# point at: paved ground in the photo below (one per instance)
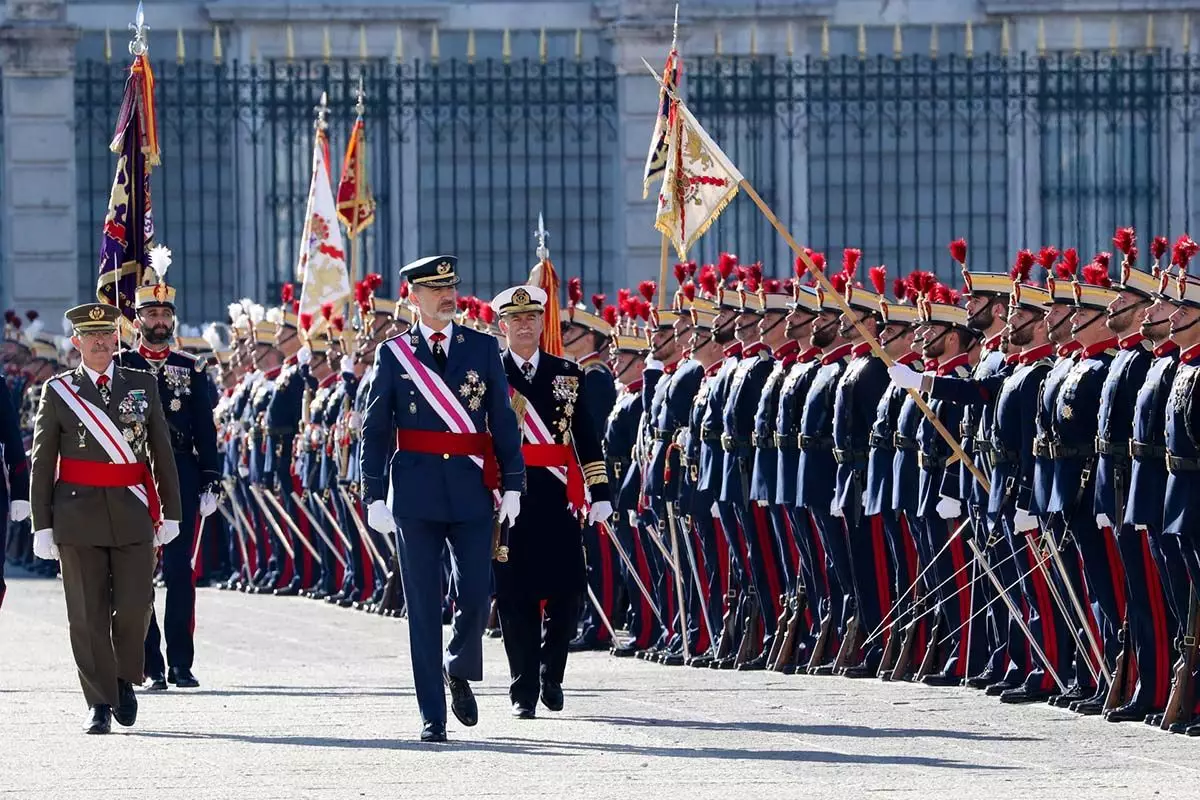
(304, 700)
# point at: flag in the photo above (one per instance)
(656, 159)
(545, 278)
(355, 205)
(128, 230)
(698, 183)
(321, 267)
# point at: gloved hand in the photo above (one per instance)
(834, 509)
(1102, 521)
(303, 356)
(949, 508)
(632, 518)
(510, 507)
(600, 512)
(208, 504)
(19, 510)
(167, 532)
(44, 546)
(380, 518)
(1024, 521)
(244, 470)
(904, 377)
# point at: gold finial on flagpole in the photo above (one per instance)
(138, 45)
(542, 49)
(471, 46)
(326, 47)
(180, 52)
(897, 43)
(289, 45)
(435, 46)
(362, 42)
(506, 47)
(790, 46)
(1112, 36)
(933, 41)
(398, 48)
(862, 41)
(970, 41)
(1005, 40)
(107, 45)
(579, 44)
(825, 40)
(1041, 38)
(1078, 36)
(1149, 32)
(218, 49)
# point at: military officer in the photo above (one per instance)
(14, 490)
(186, 393)
(436, 393)
(104, 492)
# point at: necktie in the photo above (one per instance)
(527, 368)
(439, 354)
(102, 386)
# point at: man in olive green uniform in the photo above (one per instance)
(102, 462)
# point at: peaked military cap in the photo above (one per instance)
(158, 293)
(93, 318)
(519, 299)
(434, 272)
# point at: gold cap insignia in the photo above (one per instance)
(443, 267)
(96, 313)
(520, 297)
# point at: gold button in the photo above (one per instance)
(446, 456)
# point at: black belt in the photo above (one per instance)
(930, 461)
(1179, 464)
(1062, 451)
(815, 442)
(663, 436)
(1003, 455)
(849, 456)
(1041, 446)
(764, 441)
(707, 436)
(731, 443)
(1147, 451)
(903, 442)
(281, 431)
(884, 440)
(1107, 447)
(786, 441)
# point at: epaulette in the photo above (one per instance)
(133, 369)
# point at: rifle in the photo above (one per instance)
(781, 625)
(785, 659)
(1181, 699)
(826, 632)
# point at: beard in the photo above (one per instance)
(157, 334)
(1022, 336)
(823, 337)
(983, 320)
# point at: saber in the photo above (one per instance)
(291, 523)
(691, 554)
(196, 546)
(241, 537)
(370, 545)
(271, 523)
(1066, 614)
(1083, 617)
(362, 527)
(683, 622)
(1016, 614)
(235, 504)
(633, 573)
(596, 604)
(320, 531)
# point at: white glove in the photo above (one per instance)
(835, 510)
(208, 504)
(303, 356)
(1024, 521)
(632, 518)
(904, 377)
(167, 532)
(355, 421)
(600, 512)
(1102, 521)
(949, 508)
(510, 507)
(380, 518)
(44, 546)
(19, 510)
(243, 470)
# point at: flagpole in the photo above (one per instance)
(360, 167)
(662, 273)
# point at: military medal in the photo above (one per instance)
(82, 436)
(412, 408)
(175, 404)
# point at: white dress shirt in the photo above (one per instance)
(95, 376)
(520, 362)
(427, 332)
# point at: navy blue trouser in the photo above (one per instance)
(179, 616)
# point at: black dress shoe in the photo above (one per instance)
(671, 659)
(1074, 694)
(158, 683)
(433, 732)
(99, 720)
(982, 680)
(291, 590)
(1088, 708)
(126, 711)
(1022, 694)
(998, 688)
(581, 645)
(753, 665)
(346, 602)
(1154, 720)
(462, 700)
(941, 679)
(552, 695)
(624, 651)
(183, 678)
(700, 662)
(860, 671)
(824, 669)
(523, 711)
(1130, 712)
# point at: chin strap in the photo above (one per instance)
(1190, 325)
(1088, 324)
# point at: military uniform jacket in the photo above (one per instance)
(934, 479)
(284, 414)
(94, 515)
(546, 541)
(816, 469)
(1043, 462)
(1148, 477)
(764, 477)
(976, 426)
(600, 388)
(1181, 509)
(857, 398)
(620, 434)
(792, 392)
(712, 455)
(442, 488)
(354, 426)
(654, 438)
(671, 421)
(877, 495)
(254, 422)
(690, 498)
(186, 393)
(1075, 425)
(1118, 398)
(746, 387)
(16, 465)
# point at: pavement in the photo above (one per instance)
(303, 700)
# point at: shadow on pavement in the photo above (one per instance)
(856, 731)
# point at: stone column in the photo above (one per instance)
(39, 254)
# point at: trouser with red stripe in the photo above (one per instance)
(834, 559)
(1105, 577)
(763, 556)
(711, 557)
(1043, 618)
(1072, 563)
(741, 527)
(641, 622)
(179, 616)
(1172, 570)
(1151, 622)
(652, 532)
(995, 623)
(813, 570)
(602, 577)
(902, 556)
(871, 577)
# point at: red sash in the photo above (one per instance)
(446, 443)
(98, 473)
(561, 456)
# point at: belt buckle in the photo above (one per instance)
(1189, 641)
(726, 442)
(694, 471)
(778, 440)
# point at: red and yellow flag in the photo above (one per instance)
(355, 205)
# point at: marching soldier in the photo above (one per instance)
(436, 392)
(15, 488)
(538, 587)
(104, 493)
(186, 393)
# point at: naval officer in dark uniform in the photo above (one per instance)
(441, 394)
(538, 588)
(186, 394)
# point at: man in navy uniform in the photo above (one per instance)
(186, 394)
(441, 394)
(14, 490)
(538, 588)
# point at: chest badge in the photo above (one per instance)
(472, 390)
(175, 404)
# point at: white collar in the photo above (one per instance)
(95, 376)
(427, 332)
(520, 362)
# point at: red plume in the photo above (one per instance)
(1046, 257)
(958, 251)
(610, 315)
(473, 308)
(754, 272)
(771, 285)
(1097, 275)
(338, 322)
(1066, 269)
(487, 313)
(899, 288)
(689, 290)
(306, 320)
(327, 310)
(839, 282)
(725, 265)
(404, 290)
(1022, 266)
(464, 302)
(1103, 259)
(374, 281)
(574, 291)
(788, 287)
(295, 306)
(598, 301)
(1183, 252)
(643, 310)
(850, 259)
(288, 293)
(707, 278)
(362, 293)
(647, 289)
(1124, 239)
(921, 282)
(878, 277)
(691, 268)
(1158, 247)
(680, 272)
(623, 296)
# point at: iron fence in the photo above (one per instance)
(462, 156)
(900, 155)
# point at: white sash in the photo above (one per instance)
(537, 432)
(102, 428)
